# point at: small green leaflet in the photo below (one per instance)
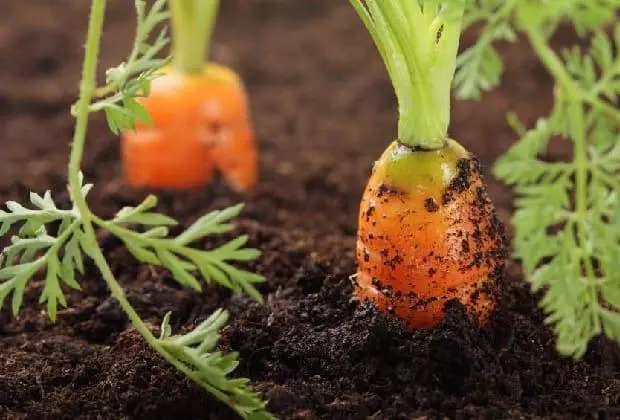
(598, 71)
(19, 263)
(132, 78)
(479, 68)
(178, 256)
(210, 368)
(211, 223)
(141, 216)
(121, 118)
(32, 220)
(33, 250)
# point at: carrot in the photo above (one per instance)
(199, 113)
(428, 232)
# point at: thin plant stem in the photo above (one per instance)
(87, 86)
(87, 90)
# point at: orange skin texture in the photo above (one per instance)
(428, 234)
(201, 123)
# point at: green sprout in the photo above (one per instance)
(567, 222)
(193, 22)
(418, 42)
(57, 241)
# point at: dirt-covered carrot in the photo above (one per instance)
(428, 232)
(199, 112)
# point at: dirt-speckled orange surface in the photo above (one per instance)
(201, 122)
(427, 234)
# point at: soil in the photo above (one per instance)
(324, 110)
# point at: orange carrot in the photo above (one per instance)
(199, 113)
(428, 232)
(200, 122)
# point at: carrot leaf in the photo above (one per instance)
(210, 368)
(155, 246)
(33, 249)
(567, 218)
(132, 78)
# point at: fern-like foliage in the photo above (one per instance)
(480, 68)
(61, 258)
(567, 223)
(33, 250)
(155, 246)
(584, 15)
(196, 354)
(598, 71)
(132, 78)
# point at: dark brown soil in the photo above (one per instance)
(324, 110)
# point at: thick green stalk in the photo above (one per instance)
(192, 27)
(418, 44)
(425, 123)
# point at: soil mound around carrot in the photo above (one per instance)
(324, 110)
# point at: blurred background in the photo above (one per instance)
(321, 101)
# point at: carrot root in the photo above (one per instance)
(428, 233)
(201, 123)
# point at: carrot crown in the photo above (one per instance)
(418, 41)
(192, 27)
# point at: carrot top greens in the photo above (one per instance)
(58, 241)
(418, 41)
(567, 222)
(192, 26)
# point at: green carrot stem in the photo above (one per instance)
(192, 28)
(87, 88)
(418, 41)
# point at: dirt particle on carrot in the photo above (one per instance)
(431, 205)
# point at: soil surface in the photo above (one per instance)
(324, 110)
